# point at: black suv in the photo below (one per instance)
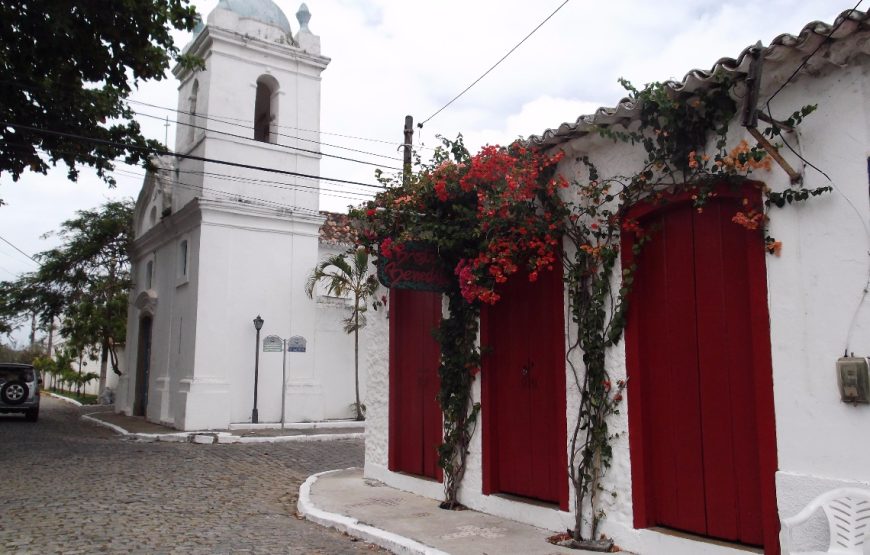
(19, 389)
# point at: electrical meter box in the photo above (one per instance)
(853, 377)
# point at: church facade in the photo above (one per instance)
(220, 241)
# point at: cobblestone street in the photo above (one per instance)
(67, 486)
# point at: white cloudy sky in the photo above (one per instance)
(396, 57)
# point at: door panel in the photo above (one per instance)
(692, 357)
(415, 416)
(670, 340)
(524, 390)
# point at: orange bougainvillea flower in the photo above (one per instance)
(773, 247)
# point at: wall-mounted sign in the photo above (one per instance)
(272, 344)
(296, 344)
(416, 266)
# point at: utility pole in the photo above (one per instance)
(409, 139)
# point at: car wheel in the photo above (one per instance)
(31, 415)
(14, 393)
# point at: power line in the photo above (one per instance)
(789, 80)
(5, 240)
(276, 144)
(230, 195)
(226, 120)
(791, 77)
(244, 126)
(185, 156)
(495, 65)
(261, 182)
(229, 119)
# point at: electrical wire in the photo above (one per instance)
(229, 119)
(495, 65)
(231, 195)
(184, 156)
(5, 240)
(790, 78)
(358, 196)
(244, 126)
(228, 134)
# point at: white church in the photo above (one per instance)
(218, 246)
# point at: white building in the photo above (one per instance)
(217, 245)
(788, 436)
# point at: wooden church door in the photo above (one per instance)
(523, 390)
(415, 415)
(700, 389)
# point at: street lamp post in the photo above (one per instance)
(258, 324)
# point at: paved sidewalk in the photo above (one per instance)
(406, 523)
(141, 429)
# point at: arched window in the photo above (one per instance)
(266, 109)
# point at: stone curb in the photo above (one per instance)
(284, 439)
(326, 425)
(222, 438)
(62, 398)
(353, 527)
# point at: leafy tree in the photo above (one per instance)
(69, 67)
(348, 274)
(84, 282)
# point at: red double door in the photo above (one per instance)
(523, 391)
(415, 415)
(700, 389)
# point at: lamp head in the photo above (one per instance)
(258, 322)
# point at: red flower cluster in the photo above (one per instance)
(496, 211)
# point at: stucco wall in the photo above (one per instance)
(815, 288)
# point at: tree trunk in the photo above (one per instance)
(32, 329)
(50, 337)
(359, 414)
(104, 365)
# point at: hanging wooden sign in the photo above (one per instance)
(415, 266)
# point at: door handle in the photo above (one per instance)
(528, 367)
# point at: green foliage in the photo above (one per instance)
(85, 281)
(348, 274)
(793, 195)
(485, 215)
(69, 67)
(460, 358)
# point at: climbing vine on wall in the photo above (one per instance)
(485, 215)
(504, 209)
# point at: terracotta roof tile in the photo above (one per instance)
(781, 57)
(336, 229)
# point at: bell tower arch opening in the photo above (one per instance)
(266, 110)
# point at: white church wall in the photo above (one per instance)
(252, 239)
(335, 348)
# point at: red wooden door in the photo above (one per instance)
(523, 397)
(694, 366)
(415, 415)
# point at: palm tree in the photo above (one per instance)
(348, 274)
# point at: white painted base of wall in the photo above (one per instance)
(207, 404)
(662, 542)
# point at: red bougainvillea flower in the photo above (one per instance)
(387, 247)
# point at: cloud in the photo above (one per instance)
(396, 57)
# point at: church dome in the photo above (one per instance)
(264, 11)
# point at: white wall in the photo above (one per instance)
(815, 287)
